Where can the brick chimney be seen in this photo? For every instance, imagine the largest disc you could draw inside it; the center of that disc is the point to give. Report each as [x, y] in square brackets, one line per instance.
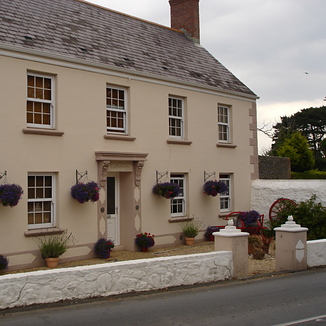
[185, 17]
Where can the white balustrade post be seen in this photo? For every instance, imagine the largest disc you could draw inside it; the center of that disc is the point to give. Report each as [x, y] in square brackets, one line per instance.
[291, 246]
[232, 239]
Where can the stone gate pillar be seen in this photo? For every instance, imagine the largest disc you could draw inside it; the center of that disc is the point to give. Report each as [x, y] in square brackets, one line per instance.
[232, 239]
[291, 247]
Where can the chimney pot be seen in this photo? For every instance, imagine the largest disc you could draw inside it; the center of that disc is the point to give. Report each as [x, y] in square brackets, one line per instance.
[185, 17]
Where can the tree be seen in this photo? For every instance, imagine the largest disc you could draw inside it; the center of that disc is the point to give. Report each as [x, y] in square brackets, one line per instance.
[311, 123]
[297, 149]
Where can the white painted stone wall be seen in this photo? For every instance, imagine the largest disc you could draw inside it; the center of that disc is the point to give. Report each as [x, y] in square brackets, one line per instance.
[113, 278]
[265, 192]
[316, 253]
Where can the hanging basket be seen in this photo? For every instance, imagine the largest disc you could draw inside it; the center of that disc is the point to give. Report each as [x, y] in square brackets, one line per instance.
[10, 194]
[166, 190]
[84, 192]
[213, 188]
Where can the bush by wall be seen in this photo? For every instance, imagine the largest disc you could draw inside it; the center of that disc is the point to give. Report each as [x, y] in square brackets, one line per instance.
[309, 213]
[312, 174]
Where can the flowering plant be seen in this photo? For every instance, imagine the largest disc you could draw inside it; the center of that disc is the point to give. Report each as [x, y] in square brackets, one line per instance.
[167, 190]
[249, 217]
[10, 194]
[53, 246]
[84, 192]
[3, 262]
[212, 188]
[145, 240]
[103, 248]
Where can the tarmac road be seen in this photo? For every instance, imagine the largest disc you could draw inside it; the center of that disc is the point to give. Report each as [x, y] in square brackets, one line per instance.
[289, 299]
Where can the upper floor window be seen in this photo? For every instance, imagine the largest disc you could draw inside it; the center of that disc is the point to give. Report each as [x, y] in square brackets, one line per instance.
[40, 201]
[116, 110]
[223, 124]
[40, 102]
[176, 117]
[225, 197]
[178, 204]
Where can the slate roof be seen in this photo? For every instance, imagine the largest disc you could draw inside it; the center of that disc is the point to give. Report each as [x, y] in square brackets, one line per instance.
[79, 30]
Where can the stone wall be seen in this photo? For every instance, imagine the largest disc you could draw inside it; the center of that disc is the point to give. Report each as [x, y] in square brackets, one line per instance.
[265, 192]
[273, 167]
[316, 253]
[113, 278]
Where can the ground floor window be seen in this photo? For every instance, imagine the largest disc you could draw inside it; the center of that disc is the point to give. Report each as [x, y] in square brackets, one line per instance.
[178, 204]
[225, 197]
[40, 202]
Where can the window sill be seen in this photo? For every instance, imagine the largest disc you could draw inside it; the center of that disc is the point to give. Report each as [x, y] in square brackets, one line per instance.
[226, 145]
[179, 141]
[41, 232]
[180, 219]
[46, 132]
[119, 137]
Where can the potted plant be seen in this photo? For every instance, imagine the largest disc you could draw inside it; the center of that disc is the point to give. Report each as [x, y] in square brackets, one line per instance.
[84, 192]
[103, 248]
[191, 229]
[3, 263]
[10, 194]
[53, 246]
[167, 190]
[213, 188]
[209, 232]
[144, 241]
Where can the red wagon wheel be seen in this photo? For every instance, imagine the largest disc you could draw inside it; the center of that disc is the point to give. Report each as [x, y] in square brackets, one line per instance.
[279, 206]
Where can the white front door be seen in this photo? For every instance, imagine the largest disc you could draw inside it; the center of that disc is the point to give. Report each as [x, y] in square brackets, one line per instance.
[112, 202]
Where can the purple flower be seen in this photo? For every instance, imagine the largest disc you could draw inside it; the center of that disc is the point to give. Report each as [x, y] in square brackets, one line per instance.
[103, 247]
[10, 194]
[212, 188]
[84, 192]
[145, 240]
[167, 190]
[3, 262]
[249, 217]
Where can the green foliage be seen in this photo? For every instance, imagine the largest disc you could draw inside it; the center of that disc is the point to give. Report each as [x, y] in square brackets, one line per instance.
[311, 122]
[255, 241]
[296, 148]
[311, 174]
[309, 213]
[191, 228]
[53, 246]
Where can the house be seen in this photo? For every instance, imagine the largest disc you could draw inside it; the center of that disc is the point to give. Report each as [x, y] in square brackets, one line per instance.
[88, 93]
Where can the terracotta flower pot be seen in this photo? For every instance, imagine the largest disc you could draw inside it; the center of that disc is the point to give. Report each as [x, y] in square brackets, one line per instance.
[52, 262]
[189, 241]
[144, 249]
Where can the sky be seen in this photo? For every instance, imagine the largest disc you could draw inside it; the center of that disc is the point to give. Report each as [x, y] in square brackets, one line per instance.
[276, 47]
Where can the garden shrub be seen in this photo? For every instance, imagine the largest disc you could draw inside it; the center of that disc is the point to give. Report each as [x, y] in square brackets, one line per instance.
[311, 174]
[309, 214]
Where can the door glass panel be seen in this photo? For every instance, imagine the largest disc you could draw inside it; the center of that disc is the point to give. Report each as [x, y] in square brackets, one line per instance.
[110, 194]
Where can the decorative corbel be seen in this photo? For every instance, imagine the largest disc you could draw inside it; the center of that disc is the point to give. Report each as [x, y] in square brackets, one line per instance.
[139, 168]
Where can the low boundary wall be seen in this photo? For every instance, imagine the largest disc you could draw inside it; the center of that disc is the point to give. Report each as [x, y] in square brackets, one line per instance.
[316, 253]
[265, 192]
[107, 279]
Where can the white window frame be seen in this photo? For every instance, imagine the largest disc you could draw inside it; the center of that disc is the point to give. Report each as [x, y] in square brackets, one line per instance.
[42, 101]
[175, 118]
[180, 179]
[223, 116]
[225, 197]
[122, 110]
[39, 201]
